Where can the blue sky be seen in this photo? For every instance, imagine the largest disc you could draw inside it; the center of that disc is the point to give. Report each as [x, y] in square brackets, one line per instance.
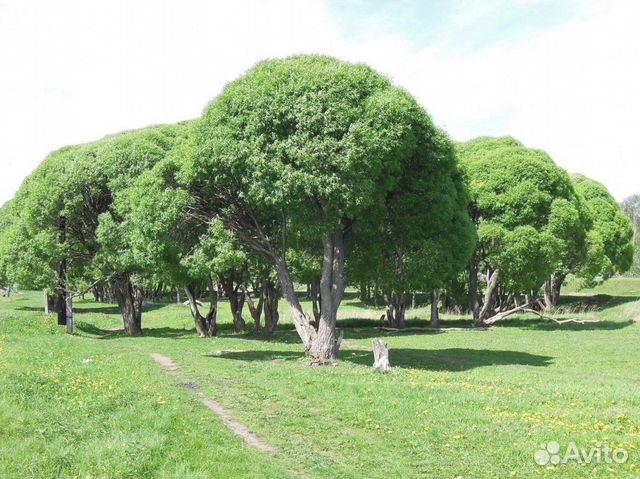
[562, 75]
[460, 26]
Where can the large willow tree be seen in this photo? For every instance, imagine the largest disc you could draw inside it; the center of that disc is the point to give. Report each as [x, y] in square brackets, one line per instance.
[528, 216]
[315, 148]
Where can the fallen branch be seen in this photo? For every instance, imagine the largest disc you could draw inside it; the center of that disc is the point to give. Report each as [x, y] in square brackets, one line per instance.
[527, 309]
[504, 314]
[388, 330]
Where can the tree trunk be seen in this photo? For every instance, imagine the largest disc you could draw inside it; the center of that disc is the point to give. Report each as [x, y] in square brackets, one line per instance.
[549, 302]
[315, 298]
[49, 303]
[301, 320]
[324, 344]
[271, 314]
[129, 297]
[474, 305]
[552, 291]
[69, 313]
[400, 307]
[557, 286]
[388, 308]
[435, 317]
[206, 326]
[332, 283]
[236, 302]
[492, 286]
[381, 356]
[255, 311]
[201, 327]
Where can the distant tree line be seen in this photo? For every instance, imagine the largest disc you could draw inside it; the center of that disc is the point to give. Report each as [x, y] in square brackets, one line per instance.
[308, 171]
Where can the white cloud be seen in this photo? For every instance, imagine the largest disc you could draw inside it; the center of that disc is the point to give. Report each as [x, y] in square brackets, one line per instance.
[73, 71]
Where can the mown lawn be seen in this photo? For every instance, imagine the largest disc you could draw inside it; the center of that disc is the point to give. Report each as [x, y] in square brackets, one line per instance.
[458, 404]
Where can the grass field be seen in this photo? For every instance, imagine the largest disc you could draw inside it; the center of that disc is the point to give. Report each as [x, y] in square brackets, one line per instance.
[468, 404]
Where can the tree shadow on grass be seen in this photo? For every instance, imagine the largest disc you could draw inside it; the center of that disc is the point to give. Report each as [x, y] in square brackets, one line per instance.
[451, 359]
[538, 324]
[596, 301]
[105, 308]
[224, 331]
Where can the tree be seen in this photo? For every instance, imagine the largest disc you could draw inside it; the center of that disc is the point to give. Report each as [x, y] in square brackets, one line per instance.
[34, 246]
[310, 147]
[65, 234]
[106, 172]
[527, 215]
[611, 238]
[631, 207]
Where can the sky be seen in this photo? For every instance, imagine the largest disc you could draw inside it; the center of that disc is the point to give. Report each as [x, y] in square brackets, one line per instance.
[562, 76]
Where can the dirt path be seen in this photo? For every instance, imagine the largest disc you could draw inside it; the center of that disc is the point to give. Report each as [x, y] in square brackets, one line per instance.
[237, 428]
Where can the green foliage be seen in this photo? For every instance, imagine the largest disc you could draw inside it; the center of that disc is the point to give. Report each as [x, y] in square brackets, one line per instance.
[302, 145]
[611, 246]
[30, 245]
[79, 184]
[631, 207]
[165, 236]
[529, 219]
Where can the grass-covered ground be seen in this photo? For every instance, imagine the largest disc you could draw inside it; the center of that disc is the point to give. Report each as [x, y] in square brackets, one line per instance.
[457, 404]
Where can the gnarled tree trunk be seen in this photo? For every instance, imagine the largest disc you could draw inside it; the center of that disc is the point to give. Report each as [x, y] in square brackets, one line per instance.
[332, 283]
[129, 297]
[236, 301]
[206, 326]
[323, 344]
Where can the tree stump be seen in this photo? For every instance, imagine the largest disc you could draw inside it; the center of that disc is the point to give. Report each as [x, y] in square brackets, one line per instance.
[381, 356]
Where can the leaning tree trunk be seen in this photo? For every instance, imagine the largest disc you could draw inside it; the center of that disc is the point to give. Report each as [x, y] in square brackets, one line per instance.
[301, 320]
[129, 297]
[198, 319]
[435, 316]
[492, 286]
[324, 344]
[206, 326]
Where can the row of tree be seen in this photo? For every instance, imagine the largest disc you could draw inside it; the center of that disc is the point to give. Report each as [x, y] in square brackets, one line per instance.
[308, 170]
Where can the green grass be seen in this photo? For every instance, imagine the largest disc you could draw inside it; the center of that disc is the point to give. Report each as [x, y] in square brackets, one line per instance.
[470, 404]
